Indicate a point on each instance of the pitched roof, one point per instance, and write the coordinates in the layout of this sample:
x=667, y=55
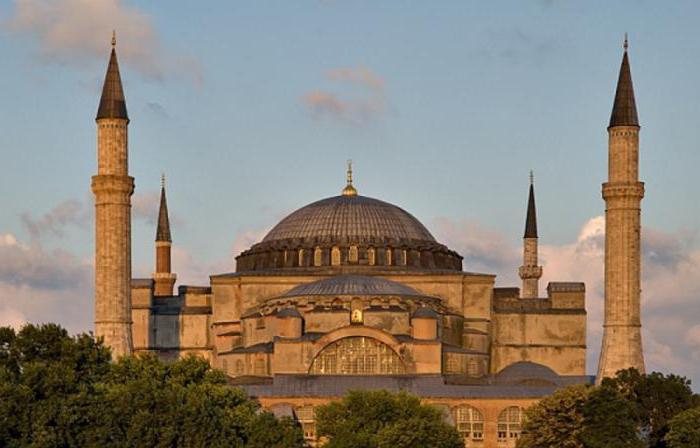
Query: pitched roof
x=163, y=231
x=624, y=112
x=112, y=102
x=531, y=221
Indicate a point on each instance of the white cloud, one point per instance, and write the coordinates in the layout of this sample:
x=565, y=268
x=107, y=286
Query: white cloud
x=37, y=285
x=358, y=110
x=54, y=223
x=11, y=317
x=78, y=32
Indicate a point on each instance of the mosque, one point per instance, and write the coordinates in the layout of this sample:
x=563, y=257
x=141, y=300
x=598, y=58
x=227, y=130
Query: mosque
x=351, y=292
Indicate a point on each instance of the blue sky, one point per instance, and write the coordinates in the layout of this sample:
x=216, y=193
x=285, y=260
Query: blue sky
x=251, y=109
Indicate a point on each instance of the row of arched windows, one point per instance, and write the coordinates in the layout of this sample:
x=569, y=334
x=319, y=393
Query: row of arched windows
x=468, y=420
x=470, y=424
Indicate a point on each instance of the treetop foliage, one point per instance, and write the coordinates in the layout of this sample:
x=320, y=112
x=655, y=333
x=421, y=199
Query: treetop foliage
x=630, y=410
x=63, y=391
x=381, y=419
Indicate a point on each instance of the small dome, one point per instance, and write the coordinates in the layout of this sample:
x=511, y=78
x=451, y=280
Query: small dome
x=525, y=370
x=353, y=285
x=425, y=313
x=289, y=312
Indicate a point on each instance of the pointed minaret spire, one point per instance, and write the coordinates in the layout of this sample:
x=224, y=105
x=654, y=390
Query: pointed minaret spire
x=624, y=112
x=163, y=230
x=163, y=277
x=531, y=220
x=112, y=103
x=530, y=272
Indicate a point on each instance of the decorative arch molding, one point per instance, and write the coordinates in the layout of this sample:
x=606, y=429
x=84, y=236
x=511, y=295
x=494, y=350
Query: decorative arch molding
x=356, y=330
x=357, y=351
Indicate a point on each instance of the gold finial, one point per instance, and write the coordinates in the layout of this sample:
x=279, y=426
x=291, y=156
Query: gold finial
x=532, y=177
x=114, y=38
x=349, y=190
x=162, y=181
x=626, y=44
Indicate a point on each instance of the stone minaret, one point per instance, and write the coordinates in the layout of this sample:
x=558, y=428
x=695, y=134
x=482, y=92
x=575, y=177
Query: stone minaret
x=163, y=277
x=113, y=188
x=622, y=339
x=530, y=272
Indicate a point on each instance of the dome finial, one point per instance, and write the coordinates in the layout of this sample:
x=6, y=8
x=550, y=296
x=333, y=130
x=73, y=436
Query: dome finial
x=349, y=190
x=626, y=44
x=532, y=177
x=114, y=38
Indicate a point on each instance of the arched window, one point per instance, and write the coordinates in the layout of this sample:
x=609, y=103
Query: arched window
x=357, y=355
x=371, y=256
x=306, y=417
x=470, y=424
x=353, y=254
x=318, y=256
x=473, y=368
x=387, y=256
x=509, y=425
x=301, y=257
x=260, y=367
x=335, y=256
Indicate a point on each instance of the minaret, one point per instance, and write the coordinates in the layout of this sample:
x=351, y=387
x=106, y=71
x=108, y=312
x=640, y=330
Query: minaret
x=113, y=188
x=163, y=277
x=530, y=272
x=622, y=339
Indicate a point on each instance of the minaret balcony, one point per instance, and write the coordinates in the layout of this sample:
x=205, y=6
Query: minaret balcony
x=530, y=272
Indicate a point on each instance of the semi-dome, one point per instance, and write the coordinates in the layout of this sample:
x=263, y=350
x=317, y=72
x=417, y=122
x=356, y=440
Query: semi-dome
x=347, y=230
x=353, y=285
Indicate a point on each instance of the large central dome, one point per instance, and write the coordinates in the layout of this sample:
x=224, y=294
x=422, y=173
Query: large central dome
x=349, y=232
x=350, y=217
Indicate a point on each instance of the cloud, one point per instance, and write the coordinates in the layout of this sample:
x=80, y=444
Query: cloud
x=54, y=223
x=10, y=317
x=670, y=284
x=157, y=109
x=73, y=213
x=244, y=240
x=77, y=32
x=145, y=206
x=37, y=285
x=360, y=75
x=484, y=250
x=34, y=267
x=359, y=110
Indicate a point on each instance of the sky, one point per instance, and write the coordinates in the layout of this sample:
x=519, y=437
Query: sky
x=251, y=109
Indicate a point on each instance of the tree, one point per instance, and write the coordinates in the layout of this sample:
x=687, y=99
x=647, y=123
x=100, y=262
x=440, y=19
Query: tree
x=369, y=419
x=656, y=399
x=684, y=429
x=609, y=420
x=556, y=420
x=63, y=391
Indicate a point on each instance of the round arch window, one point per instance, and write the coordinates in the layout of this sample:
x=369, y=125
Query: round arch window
x=357, y=355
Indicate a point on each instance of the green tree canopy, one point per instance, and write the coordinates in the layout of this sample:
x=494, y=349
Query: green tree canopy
x=556, y=420
x=63, y=391
x=655, y=398
x=609, y=420
x=381, y=419
x=684, y=429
